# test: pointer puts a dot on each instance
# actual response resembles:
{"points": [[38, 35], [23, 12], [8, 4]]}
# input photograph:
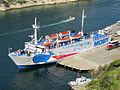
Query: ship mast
{"points": [[83, 16], [35, 26]]}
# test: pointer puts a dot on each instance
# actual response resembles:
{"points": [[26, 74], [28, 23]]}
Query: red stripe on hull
{"points": [[63, 56]]}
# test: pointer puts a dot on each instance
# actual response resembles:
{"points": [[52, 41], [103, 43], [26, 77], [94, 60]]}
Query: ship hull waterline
{"points": [[26, 62]]}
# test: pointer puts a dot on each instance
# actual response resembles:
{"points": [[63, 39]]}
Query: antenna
{"points": [[83, 16], [35, 26]]}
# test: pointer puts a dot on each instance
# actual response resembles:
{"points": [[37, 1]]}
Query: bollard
{"points": [[72, 67]]}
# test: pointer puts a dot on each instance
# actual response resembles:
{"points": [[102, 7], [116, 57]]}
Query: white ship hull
{"points": [[24, 62], [81, 46], [74, 47]]}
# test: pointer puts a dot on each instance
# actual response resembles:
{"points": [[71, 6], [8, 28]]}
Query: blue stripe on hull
{"points": [[35, 66], [24, 66]]}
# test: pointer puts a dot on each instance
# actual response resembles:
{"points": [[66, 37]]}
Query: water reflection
{"points": [[43, 78], [50, 77]]}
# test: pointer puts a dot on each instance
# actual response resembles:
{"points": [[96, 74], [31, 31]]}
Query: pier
{"points": [[93, 59]]}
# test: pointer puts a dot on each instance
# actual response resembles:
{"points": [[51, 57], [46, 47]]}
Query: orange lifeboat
{"points": [[64, 39], [76, 36], [52, 36], [64, 33], [47, 43]]}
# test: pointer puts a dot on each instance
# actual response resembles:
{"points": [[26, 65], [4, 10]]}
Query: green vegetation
{"points": [[8, 2], [21, 1], [1, 1], [108, 78]]}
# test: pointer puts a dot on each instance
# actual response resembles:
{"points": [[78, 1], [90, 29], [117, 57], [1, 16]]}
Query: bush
{"points": [[10, 1], [93, 85], [6, 4], [108, 78], [114, 64], [105, 82], [21, 2], [1, 1]]}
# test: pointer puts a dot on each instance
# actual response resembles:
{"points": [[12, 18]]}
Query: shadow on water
{"points": [[46, 76], [36, 67], [86, 73], [44, 67]]}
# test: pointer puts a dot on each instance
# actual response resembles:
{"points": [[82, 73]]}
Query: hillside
{"points": [[13, 4], [108, 78]]}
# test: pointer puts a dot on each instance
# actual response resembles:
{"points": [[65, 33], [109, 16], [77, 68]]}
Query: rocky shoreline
{"points": [[31, 3]]}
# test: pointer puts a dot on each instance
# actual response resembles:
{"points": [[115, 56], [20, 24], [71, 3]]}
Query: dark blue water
{"points": [[15, 26]]}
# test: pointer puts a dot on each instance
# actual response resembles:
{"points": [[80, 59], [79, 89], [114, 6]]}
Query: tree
{"points": [[1, 1]]}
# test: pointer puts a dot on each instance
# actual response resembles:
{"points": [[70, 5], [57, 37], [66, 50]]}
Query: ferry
{"points": [[52, 48]]}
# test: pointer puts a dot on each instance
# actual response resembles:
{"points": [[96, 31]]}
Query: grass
{"points": [[108, 78]]}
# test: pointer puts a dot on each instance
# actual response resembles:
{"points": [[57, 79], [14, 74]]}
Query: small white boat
{"points": [[71, 18], [79, 81]]}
